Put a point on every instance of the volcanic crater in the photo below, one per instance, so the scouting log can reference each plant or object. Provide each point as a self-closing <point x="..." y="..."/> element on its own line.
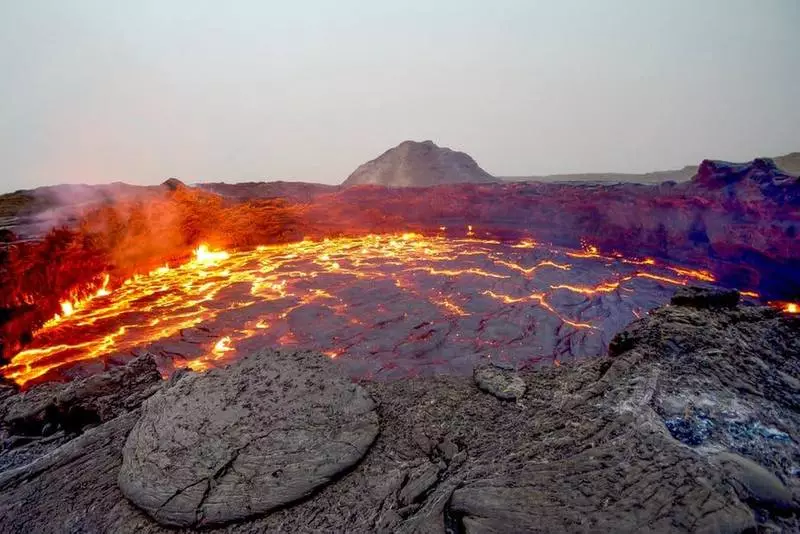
<point x="523" y="273"/>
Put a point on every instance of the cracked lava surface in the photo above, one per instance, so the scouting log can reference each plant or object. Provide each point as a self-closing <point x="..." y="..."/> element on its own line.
<point x="385" y="306"/>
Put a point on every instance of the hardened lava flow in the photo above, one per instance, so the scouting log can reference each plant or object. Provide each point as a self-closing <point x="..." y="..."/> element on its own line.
<point x="386" y="305"/>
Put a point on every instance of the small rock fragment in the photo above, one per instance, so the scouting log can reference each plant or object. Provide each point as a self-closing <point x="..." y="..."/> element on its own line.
<point x="505" y="384"/>
<point x="448" y="449"/>
<point x="420" y="481"/>
<point x="422" y="440"/>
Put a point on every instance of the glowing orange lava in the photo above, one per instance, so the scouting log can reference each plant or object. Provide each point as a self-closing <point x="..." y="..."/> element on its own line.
<point x="68" y="307"/>
<point x="221" y="304"/>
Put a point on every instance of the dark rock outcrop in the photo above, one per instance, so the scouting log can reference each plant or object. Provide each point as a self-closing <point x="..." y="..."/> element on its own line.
<point x="749" y="181"/>
<point x="755" y="484"/>
<point x="90" y="401"/>
<point x="414" y="164"/>
<point x="239" y="442"/>
<point x="36" y="422"/>
<point x="69" y="489"/>
<point x="703" y="297"/>
<point x="299" y="192"/>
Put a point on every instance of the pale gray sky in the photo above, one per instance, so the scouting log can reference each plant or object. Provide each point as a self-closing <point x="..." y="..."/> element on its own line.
<point x="139" y="90"/>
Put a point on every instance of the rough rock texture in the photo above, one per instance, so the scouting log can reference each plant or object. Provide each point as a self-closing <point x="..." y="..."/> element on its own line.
<point x="69" y="489"/>
<point x="692" y="426"/>
<point x="239" y="442"/>
<point x="37" y="421"/>
<point x="414" y="164"/>
<point x="754" y="483"/>
<point x="98" y="398"/>
<point x="500" y="381"/>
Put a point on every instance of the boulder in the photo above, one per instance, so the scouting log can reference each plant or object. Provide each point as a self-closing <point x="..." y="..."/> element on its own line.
<point x="495" y="379"/>
<point x="241" y="441"/>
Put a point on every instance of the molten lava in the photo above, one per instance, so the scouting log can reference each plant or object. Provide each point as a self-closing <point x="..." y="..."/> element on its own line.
<point x="384" y="304"/>
<point x="68" y="307"/>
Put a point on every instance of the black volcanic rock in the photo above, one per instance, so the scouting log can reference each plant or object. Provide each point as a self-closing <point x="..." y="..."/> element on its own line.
<point x="414" y="164"/>
<point x="498" y="380"/>
<point x="701" y="297"/>
<point x="98" y="398"/>
<point x="693" y="427"/>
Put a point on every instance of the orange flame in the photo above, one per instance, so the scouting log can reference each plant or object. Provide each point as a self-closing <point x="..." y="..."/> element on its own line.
<point x="69" y="307"/>
<point x="222" y="346"/>
<point x="205" y="256"/>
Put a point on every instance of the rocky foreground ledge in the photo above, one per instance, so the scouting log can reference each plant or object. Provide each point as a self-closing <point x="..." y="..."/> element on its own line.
<point x="691" y="423"/>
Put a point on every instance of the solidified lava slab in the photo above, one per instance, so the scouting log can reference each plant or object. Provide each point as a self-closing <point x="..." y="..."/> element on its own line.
<point x="383" y="306"/>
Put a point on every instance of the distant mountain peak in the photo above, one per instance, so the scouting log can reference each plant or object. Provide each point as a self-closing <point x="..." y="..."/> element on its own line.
<point x="419" y="164"/>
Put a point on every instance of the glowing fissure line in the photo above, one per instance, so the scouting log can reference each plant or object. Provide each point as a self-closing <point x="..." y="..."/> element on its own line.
<point x="542" y="300"/>
<point x="705" y="276"/>
<point x="530" y="270"/>
<point x="453" y="308"/>
<point x="602" y="288"/>
<point x="458" y="272"/>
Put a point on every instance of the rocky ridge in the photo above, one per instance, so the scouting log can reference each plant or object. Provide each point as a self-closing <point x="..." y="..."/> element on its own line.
<point x="788" y="163"/>
<point x="689" y="424"/>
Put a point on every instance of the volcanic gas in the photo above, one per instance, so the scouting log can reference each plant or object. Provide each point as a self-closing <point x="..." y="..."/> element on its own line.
<point x="385" y="306"/>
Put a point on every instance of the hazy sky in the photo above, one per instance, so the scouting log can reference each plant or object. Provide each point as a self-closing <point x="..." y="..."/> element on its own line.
<point x="140" y="90"/>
